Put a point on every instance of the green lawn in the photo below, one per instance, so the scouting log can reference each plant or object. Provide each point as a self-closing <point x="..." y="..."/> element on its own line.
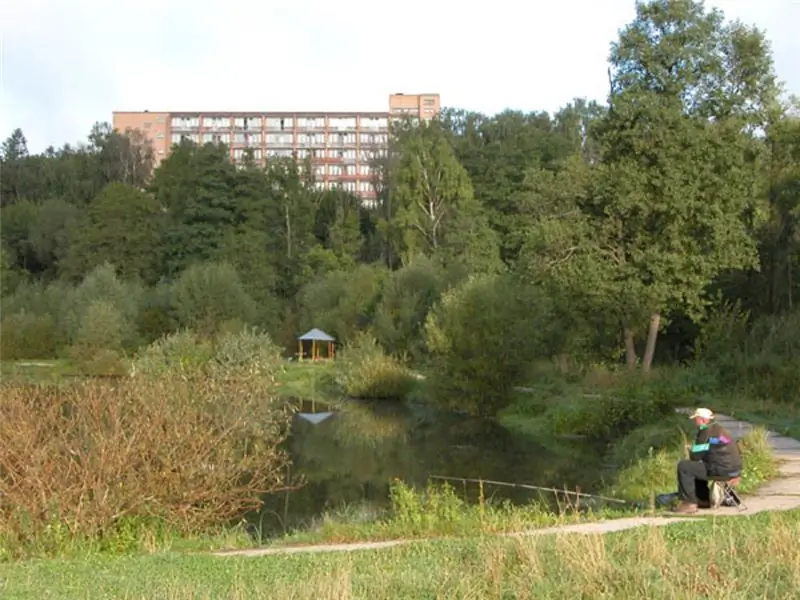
<point x="730" y="558"/>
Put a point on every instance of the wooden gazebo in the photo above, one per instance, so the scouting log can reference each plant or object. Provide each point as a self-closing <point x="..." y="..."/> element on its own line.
<point x="319" y="340"/>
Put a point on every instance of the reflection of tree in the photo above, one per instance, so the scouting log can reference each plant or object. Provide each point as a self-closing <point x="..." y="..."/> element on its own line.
<point x="352" y="456"/>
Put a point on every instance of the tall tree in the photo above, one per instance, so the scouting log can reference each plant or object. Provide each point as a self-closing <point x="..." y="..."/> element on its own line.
<point x="678" y="184"/>
<point x="437" y="213"/>
<point x="124" y="224"/>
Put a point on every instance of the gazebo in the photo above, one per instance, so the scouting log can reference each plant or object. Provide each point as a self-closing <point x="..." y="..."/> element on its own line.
<point x="318" y="339"/>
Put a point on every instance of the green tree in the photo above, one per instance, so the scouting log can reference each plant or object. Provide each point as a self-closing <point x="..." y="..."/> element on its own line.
<point x="671" y="205"/>
<point x="126" y="225"/>
<point x="195" y="185"/>
<point x="483" y="337"/>
<point x="436" y="211"/>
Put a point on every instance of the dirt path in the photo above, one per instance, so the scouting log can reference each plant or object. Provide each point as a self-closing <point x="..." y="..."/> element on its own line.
<point x="782" y="493"/>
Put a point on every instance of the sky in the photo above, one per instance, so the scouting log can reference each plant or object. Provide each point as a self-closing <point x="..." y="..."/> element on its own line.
<point x="65" y="65"/>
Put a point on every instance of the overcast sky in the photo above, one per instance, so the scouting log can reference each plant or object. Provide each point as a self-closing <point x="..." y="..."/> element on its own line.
<point x="68" y="64"/>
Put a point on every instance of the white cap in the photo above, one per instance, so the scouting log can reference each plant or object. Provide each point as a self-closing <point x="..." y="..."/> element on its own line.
<point x="703" y="413"/>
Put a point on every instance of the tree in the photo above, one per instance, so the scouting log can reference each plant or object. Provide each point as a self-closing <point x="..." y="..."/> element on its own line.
<point x="436" y="211"/>
<point x="672" y="201"/>
<point x="125" y="224"/>
<point x="195" y="185"/>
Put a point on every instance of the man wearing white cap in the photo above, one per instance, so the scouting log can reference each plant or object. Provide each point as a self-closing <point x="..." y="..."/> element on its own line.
<point x="713" y="454"/>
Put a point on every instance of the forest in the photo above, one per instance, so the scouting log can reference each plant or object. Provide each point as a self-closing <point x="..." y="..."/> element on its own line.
<point x="659" y="227"/>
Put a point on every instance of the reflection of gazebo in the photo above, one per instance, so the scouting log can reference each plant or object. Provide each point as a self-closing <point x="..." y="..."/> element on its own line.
<point x="318" y="339"/>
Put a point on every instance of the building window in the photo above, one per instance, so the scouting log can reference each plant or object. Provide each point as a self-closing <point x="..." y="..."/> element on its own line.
<point x="185" y="122"/>
<point x="373" y="123"/>
<point x="160" y="135"/>
<point x="334" y="170"/>
<point x="364" y="186"/>
<point x="279" y="139"/>
<point x="317" y="139"/>
<point x="349" y="155"/>
<point x="302" y="154"/>
<point x="319" y="153"/>
<point x="216" y="122"/>
<point x="428" y="101"/>
<point x="342" y="123"/>
<point x="279" y="123"/>
<point x="363" y="169"/>
<point x="350" y="170"/>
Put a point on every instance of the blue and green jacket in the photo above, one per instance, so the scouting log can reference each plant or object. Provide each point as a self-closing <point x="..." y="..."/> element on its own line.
<point x="715" y="446"/>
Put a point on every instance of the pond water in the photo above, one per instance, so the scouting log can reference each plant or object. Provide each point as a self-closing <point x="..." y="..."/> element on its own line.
<point x="349" y="458"/>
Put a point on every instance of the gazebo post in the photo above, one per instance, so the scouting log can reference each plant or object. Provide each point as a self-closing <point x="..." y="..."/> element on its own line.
<point x="313" y="349"/>
<point x="300" y="350"/>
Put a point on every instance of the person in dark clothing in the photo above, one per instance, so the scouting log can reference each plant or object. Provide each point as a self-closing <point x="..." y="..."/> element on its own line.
<point x="713" y="454"/>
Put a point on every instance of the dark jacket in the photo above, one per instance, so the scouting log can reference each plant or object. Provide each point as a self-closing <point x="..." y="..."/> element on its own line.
<point x="716" y="447"/>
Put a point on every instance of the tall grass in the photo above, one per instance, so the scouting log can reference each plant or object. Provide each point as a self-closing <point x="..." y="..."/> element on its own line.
<point x="364" y="370"/>
<point x="724" y="559"/>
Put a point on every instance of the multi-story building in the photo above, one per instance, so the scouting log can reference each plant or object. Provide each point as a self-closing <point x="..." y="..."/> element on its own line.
<point x="341" y="145"/>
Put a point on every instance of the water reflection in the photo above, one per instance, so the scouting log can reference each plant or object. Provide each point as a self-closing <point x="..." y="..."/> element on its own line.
<point x="351" y="456"/>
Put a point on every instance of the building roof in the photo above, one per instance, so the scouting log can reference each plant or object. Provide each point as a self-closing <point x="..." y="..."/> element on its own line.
<point x="316" y="335"/>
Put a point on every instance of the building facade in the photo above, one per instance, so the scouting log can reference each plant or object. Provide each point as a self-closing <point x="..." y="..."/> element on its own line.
<point x="341" y="145"/>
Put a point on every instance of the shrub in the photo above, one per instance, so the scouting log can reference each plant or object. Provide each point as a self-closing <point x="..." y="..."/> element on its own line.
<point x="83" y="459"/>
<point x="484" y="337"/>
<point x="246" y="353"/>
<point x="206" y="295"/>
<point x="102" y="299"/>
<point x="343" y="302"/>
<point x="181" y="353"/>
<point x="27" y="335"/>
<point x="408" y="296"/>
<point x="364" y="370"/>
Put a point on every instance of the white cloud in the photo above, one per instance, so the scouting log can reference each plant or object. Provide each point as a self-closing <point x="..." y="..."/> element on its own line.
<point x="67" y="64"/>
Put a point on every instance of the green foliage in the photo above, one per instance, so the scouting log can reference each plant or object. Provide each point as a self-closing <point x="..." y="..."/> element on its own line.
<point x="483" y="337"/>
<point x="364" y="370"/>
<point x="760" y="360"/>
<point x="125" y="224"/>
<point x="206" y="295"/>
<point x="27" y="335"/>
<point x="343" y="303"/>
<point x="408" y="295"/>
<point x="180" y="353"/>
<point x="240" y="354"/>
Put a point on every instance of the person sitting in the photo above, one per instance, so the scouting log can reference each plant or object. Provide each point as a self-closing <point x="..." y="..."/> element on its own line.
<point x="713" y="454"/>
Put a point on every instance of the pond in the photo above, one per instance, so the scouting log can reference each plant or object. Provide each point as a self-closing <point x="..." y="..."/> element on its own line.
<point x="349" y="457"/>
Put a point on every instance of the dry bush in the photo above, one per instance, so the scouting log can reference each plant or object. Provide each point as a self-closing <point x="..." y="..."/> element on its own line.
<point x="190" y="454"/>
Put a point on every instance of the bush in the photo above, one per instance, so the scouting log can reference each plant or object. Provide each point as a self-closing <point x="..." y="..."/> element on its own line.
<point x="101" y="311"/>
<point x="603" y="418"/>
<point x="80" y="461"/>
<point x="407" y="298"/>
<point x="364" y="370"/>
<point x="484" y="337"/>
<point x="762" y="360"/>
<point x="247" y="353"/>
<point x="206" y="295"/>
<point x="181" y="353"/>
<point x="27" y="335"/>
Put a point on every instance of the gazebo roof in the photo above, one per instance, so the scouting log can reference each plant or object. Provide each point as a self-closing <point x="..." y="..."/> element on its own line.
<point x="316" y="335"/>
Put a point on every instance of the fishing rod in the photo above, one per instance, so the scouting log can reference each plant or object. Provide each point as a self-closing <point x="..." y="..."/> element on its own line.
<point x="531" y="487"/>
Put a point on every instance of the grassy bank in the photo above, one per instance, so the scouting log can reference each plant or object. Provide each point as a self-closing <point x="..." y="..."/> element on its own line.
<point x="439" y="511"/>
<point x="751" y="558"/>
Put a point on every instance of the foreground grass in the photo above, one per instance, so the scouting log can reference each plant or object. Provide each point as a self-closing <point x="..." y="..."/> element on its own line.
<point x="727" y="558"/>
